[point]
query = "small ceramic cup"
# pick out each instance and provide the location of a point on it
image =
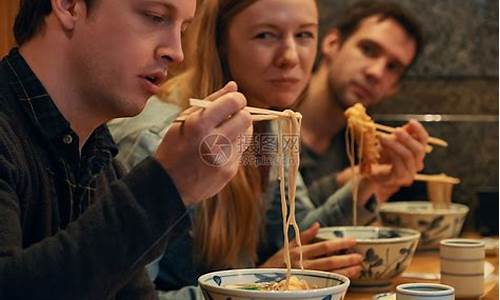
(462, 266)
(424, 291)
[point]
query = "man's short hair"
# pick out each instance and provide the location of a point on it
(350, 21)
(30, 18)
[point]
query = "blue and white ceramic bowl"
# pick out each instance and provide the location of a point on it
(433, 224)
(387, 251)
(217, 285)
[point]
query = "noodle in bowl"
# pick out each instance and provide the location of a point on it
(246, 284)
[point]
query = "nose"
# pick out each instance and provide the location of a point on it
(375, 71)
(288, 56)
(170, 50)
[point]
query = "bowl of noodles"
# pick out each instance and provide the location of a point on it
(386, 251)
(434, 224)
(260, 284)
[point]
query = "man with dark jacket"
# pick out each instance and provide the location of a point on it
(71, 225)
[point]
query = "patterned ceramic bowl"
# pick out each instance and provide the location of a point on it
(433, 224)
(220, 285)
(387, 251)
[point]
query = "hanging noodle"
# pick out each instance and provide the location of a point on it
(288, 155)
(291, 129)
(361, 132)
(288, 125)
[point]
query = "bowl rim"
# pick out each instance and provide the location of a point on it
(414, 234)
(392, 207)
(445, 290)
(462, 243)
(337, 289)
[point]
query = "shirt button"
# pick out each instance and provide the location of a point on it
(67, 139)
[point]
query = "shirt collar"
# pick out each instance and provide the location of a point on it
(41, 110)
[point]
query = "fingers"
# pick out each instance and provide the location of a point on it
(402, 172)
(226, 102)
(404, 163)
(417, 130)
(334, 262)
(318, 256)
(190, 110)
(235, 126)
(222, 108)
(350, 272)
(417, 148)
(327, 247)
(224, 114)
(230, 87)
(307, 236)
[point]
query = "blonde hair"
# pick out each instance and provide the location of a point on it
(227, 227)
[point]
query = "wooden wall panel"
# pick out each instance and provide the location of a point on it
(8, 11)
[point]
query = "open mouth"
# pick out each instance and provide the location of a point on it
(153, 79)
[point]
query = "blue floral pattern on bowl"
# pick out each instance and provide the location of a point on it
(386, 252)
(434, 225)
(221, 285)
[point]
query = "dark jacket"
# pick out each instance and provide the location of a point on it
(71, 226)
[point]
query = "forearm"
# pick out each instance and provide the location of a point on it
(98, 253)
(322, 188)
(337, 211)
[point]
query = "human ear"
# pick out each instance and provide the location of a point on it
(68, 12)
(330, 44)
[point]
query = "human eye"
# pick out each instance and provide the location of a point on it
(369, 49)
(395, 68)
(266, 36)
(154, 17)
(305, 35)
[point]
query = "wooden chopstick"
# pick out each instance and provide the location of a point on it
(252, 110)
(255, 118)
(437, 178)
(428, 149)
(432, 140)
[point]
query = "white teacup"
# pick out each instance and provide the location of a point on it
(424, 291)
(462, 266)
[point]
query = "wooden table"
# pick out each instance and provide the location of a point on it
(428, 262)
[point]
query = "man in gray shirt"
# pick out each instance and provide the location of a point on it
(363, 60)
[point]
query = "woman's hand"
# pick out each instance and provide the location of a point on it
(321, 256)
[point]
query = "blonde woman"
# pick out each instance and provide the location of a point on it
(268, 48)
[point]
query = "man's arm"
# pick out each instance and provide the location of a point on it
(96, 255)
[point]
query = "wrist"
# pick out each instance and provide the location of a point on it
(366, 189)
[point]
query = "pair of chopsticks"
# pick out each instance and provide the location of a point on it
(258, 114)
(262, 114)
(437, 178)
(387, 129)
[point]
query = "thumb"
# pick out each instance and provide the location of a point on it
(308, 235)
(230, 87)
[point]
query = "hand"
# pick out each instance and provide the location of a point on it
(402, 156)
(200, 177)
(320, 256)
